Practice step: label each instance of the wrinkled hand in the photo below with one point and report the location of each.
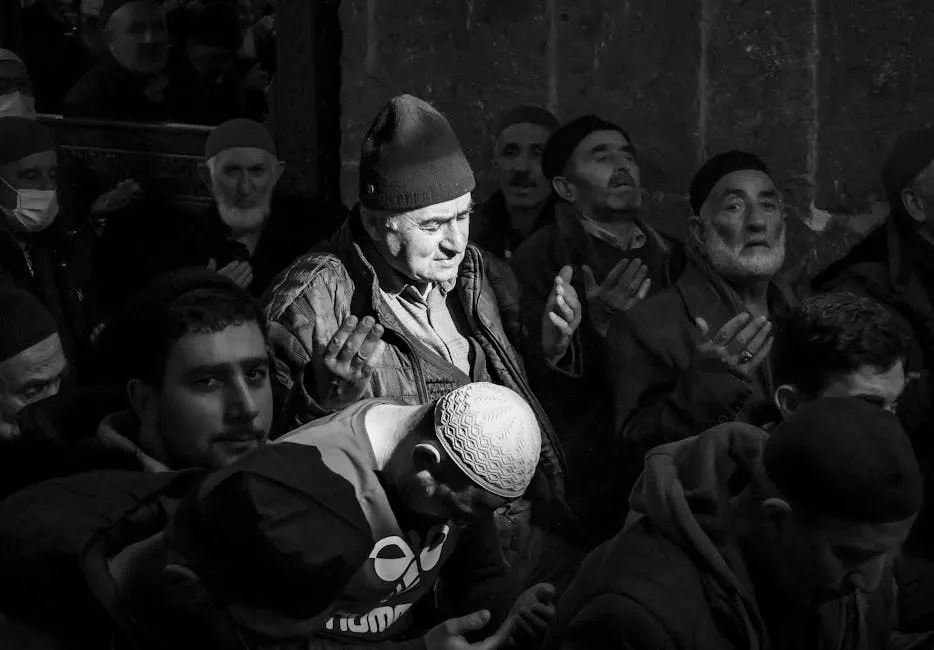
(120, 196)
(350, 358)
(450, 635)
(624, 287)
(562, 316)
(240, 272)
(742, 343)
(532, 613)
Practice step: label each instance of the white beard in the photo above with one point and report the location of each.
(244, 220)
(736, 264)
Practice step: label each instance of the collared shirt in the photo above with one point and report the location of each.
(635, 241)
(430, 313)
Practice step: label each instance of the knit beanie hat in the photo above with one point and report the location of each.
(528, 115)
(275, 537)
(24, 322)
(910, 155)
(217, 25)
(845, 458)
(562, 143)
(21, 137)
(238, 133)
(411, 158)
(492, 435)
(716, 168)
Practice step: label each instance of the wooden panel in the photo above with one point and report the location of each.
(96, 155)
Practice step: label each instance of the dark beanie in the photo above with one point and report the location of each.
(528, 115)
(910, 155)
(843, 457)
(20, 137)
(253, 533)
(24, 322)
(411, 158)
(217, 25)
(238, 133)
(716, 168)
(562, 143)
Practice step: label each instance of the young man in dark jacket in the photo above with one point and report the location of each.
(739, 539)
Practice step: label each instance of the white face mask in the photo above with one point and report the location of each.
(16, 104)
(35, 209)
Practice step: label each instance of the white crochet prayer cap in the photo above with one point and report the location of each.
(6, 55)
(493, 436)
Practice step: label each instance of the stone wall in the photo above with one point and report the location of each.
(819, 88)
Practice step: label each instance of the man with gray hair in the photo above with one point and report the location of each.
(400, 304)
(697, 354)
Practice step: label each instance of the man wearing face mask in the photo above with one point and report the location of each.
(206, 77)
(16, 94)
(40, 252)
(128, 84)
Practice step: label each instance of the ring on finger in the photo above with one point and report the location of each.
(746, 356)
(359, 358)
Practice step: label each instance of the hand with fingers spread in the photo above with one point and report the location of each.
(350, 359)
(623, 288)
(451, 635)
(240, 272)
(532, 612)
(562, 316)
(742, 344)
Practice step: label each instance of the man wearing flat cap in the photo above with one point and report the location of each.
(598, 258)
(128, 84)
(399, 304)
(697, 354)
(743, 539)
(43, 252)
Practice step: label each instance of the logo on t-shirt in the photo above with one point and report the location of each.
(395, 576)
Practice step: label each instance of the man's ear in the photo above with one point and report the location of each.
(426, 456)
(913, 204)
(142, 399)
(279, 169)
(564, 188)
(786, 399)
(204, 173)
(696, 230)
(775, 513)
(185, 587)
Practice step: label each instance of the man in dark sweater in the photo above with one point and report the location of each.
(346, 529)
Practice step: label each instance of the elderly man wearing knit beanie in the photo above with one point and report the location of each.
(49, 259)
(128, 83)
(16, 94)
(697, 354)
(32, 361)
(742, 539)
(400, 303)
